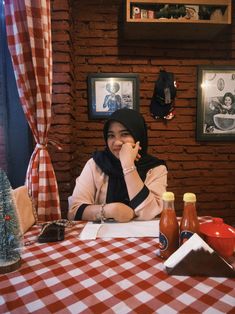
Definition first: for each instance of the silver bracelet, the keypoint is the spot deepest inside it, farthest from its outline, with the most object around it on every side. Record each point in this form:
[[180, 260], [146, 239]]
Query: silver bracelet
[[102, 214], [100, 217], [128, 170]]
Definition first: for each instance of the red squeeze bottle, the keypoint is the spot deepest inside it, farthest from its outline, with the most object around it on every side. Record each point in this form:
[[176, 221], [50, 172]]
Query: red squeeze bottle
[[168, 227], [189, 223]]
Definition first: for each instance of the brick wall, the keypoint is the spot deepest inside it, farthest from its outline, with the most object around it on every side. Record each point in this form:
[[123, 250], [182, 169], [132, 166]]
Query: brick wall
[[87, 38], [63, 109]]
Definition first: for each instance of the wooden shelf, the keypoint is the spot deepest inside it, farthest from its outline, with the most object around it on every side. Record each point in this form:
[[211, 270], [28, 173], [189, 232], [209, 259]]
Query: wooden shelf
[[143, 20]]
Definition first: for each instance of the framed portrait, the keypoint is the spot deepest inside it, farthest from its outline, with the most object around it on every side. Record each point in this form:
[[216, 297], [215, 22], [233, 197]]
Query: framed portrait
[[108, 92], [216, 103]]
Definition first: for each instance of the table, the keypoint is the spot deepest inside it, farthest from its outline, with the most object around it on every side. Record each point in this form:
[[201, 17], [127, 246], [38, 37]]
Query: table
[[106, 276]]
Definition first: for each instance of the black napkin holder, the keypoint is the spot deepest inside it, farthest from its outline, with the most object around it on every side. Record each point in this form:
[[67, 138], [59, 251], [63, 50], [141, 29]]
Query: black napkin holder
[[202, 263], [196, 258], [52, 232]]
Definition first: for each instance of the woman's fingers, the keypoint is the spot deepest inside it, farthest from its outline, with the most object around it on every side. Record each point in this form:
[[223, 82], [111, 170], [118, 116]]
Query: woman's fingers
[[137, 157]]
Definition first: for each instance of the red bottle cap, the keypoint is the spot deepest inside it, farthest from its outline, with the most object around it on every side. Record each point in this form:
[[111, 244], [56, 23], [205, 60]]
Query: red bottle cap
[[217, 228]]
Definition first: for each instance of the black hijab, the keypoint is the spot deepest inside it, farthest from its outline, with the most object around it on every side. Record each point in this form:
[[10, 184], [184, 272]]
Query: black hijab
[[111, 166]]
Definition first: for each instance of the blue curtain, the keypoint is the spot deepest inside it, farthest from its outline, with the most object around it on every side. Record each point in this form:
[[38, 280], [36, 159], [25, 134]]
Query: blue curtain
[[15, 133]]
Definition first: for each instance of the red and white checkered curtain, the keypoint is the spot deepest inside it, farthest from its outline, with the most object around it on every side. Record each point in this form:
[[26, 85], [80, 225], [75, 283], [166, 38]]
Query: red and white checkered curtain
[[28, 25]]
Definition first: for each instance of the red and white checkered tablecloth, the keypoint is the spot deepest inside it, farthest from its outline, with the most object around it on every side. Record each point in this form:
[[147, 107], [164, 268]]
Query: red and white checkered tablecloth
[[106, 276]]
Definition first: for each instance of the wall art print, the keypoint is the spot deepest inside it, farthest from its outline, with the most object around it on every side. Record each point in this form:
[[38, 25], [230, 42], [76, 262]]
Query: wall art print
[[108, 92], [216, 103]]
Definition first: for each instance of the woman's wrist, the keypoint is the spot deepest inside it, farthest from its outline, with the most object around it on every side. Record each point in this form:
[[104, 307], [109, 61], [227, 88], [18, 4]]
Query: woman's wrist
[[101, 216], [128, 170]]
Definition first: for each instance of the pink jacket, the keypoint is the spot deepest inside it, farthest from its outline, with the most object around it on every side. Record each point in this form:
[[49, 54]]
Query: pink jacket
[[91, 188]]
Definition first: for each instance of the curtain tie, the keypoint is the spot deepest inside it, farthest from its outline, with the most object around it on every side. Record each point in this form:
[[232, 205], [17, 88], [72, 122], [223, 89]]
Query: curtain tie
[[55, 143], [52, 142], [41, 146]]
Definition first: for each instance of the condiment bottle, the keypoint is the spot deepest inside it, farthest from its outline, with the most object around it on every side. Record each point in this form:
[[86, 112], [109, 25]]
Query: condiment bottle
[[189, 223], [168, 227]]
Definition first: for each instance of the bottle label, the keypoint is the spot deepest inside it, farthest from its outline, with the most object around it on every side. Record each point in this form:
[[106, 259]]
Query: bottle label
[[163, 242], [185, 235]]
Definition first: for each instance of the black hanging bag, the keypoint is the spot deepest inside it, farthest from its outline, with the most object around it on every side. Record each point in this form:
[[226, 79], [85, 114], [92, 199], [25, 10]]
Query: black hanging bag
[[162, 102]]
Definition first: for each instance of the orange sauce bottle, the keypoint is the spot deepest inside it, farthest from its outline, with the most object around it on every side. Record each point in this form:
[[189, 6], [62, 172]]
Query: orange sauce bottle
[[168, 227], [189, 223]]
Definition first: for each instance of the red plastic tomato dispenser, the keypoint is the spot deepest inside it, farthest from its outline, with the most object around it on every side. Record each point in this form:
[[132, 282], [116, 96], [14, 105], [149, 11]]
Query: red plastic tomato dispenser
[[220, 236]]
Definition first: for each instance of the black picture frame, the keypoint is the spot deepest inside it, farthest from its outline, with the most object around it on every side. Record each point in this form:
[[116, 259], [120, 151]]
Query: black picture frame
[[100, 101], [215, 121]]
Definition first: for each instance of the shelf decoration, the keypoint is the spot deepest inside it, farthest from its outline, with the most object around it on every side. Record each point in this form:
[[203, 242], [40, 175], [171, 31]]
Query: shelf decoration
[[176, 20], [177, 11]]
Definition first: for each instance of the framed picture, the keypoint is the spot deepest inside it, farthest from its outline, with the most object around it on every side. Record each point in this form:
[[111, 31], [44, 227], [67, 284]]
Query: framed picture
[[216, 103], [108, 92]]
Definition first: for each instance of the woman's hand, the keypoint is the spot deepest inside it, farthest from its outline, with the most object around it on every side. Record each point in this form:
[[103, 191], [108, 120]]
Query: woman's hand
[[119, 212], [129, 153]]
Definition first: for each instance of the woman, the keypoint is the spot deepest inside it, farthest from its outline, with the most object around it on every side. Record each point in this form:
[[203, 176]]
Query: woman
[[228, 103], [112, 101], [122, 182]]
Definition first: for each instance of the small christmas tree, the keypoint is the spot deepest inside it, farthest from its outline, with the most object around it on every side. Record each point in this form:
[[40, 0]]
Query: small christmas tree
[[10, 238]]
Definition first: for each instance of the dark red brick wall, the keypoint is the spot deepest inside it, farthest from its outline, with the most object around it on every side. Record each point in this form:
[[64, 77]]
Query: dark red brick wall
[[63, 99], [87, 38]]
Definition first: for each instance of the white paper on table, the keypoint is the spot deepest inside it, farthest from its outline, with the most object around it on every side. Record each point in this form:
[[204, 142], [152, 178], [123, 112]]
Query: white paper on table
[[135, 229], [89, 232]]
